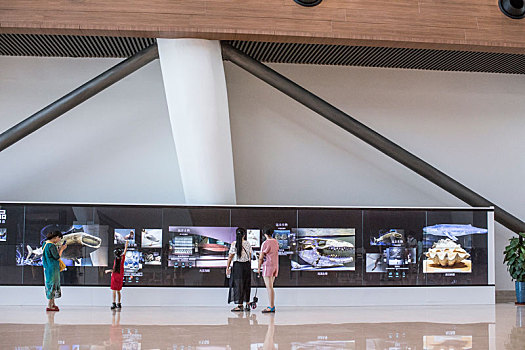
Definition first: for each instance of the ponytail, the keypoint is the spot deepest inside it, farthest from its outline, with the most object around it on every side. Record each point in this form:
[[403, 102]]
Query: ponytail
[[118, 259], [239, 235], [116, 267]]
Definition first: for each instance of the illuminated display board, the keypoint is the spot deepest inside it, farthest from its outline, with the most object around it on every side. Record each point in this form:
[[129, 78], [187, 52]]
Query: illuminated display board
[[188, 246]]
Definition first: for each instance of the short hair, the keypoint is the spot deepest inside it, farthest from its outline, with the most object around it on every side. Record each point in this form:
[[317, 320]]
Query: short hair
[[268, 230], [54, 234]]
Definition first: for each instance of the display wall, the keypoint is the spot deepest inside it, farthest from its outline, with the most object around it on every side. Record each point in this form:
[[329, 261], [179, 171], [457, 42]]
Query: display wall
[[283, 153], [184, 246]]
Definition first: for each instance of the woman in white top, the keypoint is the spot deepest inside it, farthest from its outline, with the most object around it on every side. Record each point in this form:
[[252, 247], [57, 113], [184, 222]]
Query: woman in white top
[[240, 275]]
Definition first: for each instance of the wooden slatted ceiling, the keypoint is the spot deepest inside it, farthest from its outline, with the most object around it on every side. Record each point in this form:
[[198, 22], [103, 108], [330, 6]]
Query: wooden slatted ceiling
[[271, 52], [439, 24]]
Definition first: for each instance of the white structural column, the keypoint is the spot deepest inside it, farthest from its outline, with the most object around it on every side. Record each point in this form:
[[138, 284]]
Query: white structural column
[[195, 86]]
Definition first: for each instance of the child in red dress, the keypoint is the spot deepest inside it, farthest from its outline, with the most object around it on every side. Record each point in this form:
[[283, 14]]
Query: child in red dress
[[117, 275]]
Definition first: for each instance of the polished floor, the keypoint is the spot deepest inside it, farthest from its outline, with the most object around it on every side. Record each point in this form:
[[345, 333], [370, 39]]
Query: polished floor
[[394, 328]]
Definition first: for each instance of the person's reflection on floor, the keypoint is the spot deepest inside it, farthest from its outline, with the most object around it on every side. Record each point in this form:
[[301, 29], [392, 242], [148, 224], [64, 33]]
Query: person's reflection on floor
[[115, 332], [239, 330], [268, 339], [50, 340]]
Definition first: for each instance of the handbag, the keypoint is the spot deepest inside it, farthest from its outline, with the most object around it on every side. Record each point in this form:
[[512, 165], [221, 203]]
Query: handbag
[[61, 265]]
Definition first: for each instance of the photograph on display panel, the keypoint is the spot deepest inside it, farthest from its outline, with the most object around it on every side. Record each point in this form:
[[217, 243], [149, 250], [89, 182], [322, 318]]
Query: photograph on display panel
[[3, 223], [284, 237], [329, 249], [133, 266], [151, 238], [254, 237], [388, 237], [391, 258], [87, 245], [203, 247], [397, 251], [447, 247], [151, 256], [121, 235]]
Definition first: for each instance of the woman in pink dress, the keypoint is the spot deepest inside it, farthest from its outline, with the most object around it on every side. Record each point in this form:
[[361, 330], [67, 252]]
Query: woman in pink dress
[[269, 260]]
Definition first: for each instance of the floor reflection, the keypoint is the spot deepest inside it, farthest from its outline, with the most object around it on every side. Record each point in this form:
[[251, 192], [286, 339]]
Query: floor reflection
[[51, 332], [251, 331], [400, 328], [516, 338]]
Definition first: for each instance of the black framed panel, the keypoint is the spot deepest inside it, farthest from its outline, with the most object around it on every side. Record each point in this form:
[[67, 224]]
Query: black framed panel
[[187, 246], [328, 250], [11, 232], [392, 247], [461, 239], [87, 242], [197, 244], [142, 228]]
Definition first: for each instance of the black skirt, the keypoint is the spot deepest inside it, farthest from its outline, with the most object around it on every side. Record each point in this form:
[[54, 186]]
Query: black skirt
[[240, 283]]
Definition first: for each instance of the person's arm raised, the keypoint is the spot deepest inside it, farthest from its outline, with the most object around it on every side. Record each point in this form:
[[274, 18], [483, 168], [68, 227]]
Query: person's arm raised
[[125, 248], [61, 250]]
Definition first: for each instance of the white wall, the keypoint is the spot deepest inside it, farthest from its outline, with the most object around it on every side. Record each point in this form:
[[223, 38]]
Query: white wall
[[117, 147]]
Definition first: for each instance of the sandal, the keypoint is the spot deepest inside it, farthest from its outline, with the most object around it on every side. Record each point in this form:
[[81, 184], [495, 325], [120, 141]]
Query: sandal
[[268, 310], [237, 309]]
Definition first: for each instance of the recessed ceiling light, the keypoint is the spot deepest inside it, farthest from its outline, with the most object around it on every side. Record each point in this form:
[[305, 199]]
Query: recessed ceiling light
[[512, 8], [308, 2]]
